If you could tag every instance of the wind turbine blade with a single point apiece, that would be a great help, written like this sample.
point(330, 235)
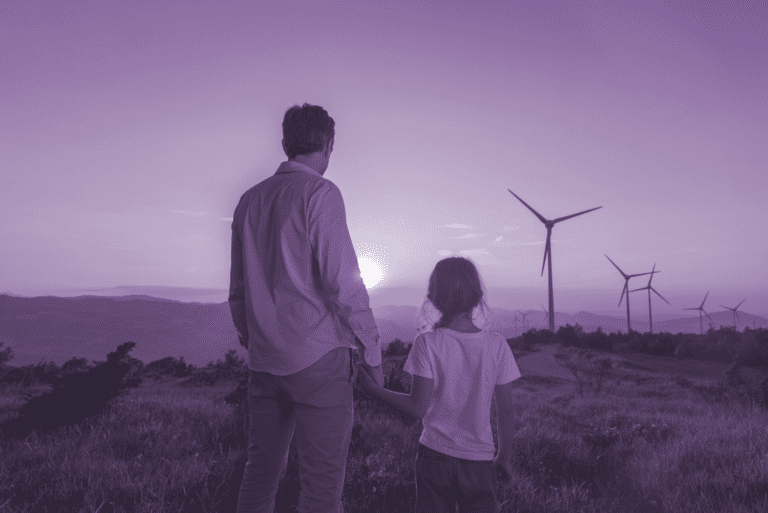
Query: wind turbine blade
point(690, 308)
point(652, 273)
point(622, 293)
point(616, 266)
point(737, 315)
point(741, 302)
point(640, 274)
point(705, 313)
point(541, 218)
point(635, 290)
point(705, 299)
point(546, 252)
point(662, 297)
point(727, 307)
point(574, 215)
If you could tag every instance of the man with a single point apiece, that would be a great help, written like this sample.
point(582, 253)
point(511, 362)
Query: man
point(300, 308)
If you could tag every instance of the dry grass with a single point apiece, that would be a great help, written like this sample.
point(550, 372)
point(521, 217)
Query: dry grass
point(647, 437)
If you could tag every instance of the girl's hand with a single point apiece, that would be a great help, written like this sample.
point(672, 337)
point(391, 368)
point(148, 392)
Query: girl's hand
point(503, 463)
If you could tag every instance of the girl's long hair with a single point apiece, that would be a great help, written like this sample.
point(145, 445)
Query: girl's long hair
point(454, 288)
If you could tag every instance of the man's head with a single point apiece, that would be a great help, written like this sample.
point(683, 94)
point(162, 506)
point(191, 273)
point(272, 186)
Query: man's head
point(308, 130)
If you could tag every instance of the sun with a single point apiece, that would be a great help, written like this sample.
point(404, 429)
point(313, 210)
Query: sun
point(370, 271)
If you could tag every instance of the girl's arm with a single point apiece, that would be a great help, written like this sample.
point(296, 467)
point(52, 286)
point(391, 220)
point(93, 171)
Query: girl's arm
point(414, 404)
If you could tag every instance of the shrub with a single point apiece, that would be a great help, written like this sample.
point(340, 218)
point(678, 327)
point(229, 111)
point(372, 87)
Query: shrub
point(168, 366)
point(570, 335)
point(6, 355)
point(397, 348)
point(598, 341)
point(589, 369)
point(232, 368)
point(78, 395)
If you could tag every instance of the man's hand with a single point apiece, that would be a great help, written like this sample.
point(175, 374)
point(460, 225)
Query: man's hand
point(374, 374)
point(243, 339)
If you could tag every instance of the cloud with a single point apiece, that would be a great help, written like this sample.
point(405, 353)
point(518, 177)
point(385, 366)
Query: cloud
point(458, 226)
point(473, 252)
point(445, 252)
point(467, 236)
point(228, 219)
point(497, 239)
point(192, 213)
point(509, 228)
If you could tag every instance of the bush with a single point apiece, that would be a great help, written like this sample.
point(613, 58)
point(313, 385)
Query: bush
point(598, 341)
point(397, 348)
point(78, 395)
point(6, 355)
point(232, 368)
point(570, 335)
point(168, 366)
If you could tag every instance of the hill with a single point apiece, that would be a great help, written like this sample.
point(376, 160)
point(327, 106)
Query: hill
point(56, 329)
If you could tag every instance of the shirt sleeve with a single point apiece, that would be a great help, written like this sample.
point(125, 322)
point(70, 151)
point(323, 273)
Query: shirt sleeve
point(237, 287)
point(508, 370)
point(339, 271)
point(418, 362)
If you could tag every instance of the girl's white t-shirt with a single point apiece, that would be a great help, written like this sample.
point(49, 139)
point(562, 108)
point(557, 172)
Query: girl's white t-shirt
point(465, 368)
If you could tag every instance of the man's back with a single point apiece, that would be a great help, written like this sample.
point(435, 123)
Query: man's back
point(303, 294)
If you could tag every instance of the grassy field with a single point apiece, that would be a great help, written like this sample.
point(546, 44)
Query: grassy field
point(649, 440)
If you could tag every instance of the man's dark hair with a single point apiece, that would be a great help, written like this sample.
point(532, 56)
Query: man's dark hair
point(306, 129)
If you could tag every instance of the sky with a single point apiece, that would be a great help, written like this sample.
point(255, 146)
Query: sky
point(129, 131)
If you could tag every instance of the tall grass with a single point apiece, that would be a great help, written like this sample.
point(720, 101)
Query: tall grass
point(645, 442)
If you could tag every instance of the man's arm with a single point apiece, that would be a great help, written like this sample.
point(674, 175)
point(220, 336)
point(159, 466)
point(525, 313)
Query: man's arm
point(339, 270)
point(237, 289)
point(414, 404)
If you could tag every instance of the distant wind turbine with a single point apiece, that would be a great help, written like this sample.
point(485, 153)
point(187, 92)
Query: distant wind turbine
point(701, 309)
point(735, 313)
point(548, 251)
point(626, 287)
point(525, 321)
point(546, 315)
point(649, 288)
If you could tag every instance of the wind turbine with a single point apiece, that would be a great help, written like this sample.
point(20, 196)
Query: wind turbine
point(546, 314)
point(626, 288)
point(701, 309)
point(548, 251)
point(735, 314)
point(525, 322)
point(650, 316)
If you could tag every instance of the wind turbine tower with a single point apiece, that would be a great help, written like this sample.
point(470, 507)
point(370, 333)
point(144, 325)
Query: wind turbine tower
point(626, 288)
point(701, 309)
point(735, 313)
point(650, 316)
point(548, 251)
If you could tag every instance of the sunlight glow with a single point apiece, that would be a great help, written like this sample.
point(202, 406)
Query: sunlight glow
point(370, 271)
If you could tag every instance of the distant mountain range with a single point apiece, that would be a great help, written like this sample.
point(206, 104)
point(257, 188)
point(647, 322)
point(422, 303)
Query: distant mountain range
point(57, 328)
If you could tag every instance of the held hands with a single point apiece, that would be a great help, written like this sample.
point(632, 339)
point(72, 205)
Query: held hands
point(369, 377)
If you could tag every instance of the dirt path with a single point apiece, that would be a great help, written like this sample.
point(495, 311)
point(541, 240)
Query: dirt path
point(543, 363)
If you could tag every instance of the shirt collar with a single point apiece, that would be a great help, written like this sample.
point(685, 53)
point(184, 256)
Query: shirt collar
point(291, 165)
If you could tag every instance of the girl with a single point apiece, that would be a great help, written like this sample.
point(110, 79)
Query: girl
point(455, 370)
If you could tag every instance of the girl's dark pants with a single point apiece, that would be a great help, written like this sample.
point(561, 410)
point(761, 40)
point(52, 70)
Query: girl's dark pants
point(316, 405)
point(442, 481)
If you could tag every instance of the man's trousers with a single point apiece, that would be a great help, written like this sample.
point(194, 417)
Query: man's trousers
point(314, 404)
